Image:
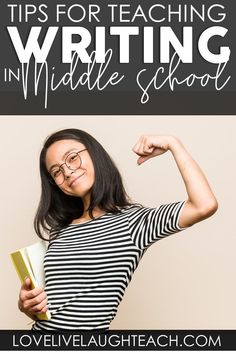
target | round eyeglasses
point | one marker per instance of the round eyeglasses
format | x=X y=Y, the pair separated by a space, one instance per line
x=73 y=162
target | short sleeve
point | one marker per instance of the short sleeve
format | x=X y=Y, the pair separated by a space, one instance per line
x=148 y=225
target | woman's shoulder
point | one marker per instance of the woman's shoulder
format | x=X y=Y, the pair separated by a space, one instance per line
x=132 y=208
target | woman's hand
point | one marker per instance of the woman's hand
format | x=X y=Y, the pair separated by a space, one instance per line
x=149 y=146
x=32 y=301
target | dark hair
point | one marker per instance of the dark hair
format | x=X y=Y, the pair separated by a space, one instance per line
x=57 y=209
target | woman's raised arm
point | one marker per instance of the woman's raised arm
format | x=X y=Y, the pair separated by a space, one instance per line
x=201 y=202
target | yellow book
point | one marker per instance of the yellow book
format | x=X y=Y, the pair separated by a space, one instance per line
x=28 y=262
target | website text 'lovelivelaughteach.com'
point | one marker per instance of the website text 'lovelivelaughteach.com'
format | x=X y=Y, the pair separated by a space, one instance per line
x=113 y=340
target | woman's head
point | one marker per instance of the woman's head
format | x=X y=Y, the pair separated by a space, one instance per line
x=70 y=167
x=76 y=174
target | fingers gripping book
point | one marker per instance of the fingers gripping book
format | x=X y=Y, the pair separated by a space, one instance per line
x=28 y=262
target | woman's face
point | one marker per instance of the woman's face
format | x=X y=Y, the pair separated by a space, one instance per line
x=75 y=182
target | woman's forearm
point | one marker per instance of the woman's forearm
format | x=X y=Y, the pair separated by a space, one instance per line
x=201 y=201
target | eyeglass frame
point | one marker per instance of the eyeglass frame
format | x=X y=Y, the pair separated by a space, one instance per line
x=52 y=180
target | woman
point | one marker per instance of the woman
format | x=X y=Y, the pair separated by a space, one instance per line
x=97 y=236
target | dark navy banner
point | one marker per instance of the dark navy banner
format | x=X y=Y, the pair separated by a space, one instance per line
x=120 y=340
x=124 y=57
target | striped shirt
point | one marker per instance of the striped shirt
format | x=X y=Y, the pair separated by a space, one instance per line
x=88 y=266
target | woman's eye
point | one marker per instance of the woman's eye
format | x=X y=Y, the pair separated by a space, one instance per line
x=56 y=173
x=73 y=158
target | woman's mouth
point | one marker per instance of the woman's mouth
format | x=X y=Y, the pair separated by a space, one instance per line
x=75 y=179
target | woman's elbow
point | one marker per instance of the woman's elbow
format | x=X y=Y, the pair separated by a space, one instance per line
x=208 y=209
x=193 y=214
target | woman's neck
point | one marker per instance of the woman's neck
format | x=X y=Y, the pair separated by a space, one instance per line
x=86 y=217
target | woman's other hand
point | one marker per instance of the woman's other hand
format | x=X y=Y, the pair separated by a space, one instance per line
x=32 y=301
x=149 y=146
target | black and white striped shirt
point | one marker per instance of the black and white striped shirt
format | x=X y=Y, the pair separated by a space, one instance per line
x=89 y=265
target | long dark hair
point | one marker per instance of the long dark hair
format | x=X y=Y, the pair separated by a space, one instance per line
x=57 y=209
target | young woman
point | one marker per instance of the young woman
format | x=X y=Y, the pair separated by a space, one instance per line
x=96 y=235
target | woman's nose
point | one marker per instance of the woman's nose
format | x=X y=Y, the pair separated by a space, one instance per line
x=67 y=171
